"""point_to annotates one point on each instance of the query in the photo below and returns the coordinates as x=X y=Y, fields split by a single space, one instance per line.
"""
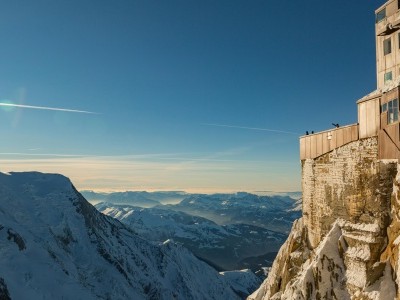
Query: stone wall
x=348 y=183
x=347 y=244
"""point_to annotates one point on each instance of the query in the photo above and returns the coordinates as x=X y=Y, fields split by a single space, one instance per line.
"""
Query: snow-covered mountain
x=275 y=213
x=228 y=247
x=243 y=282
x=55 y=245
x=136 y=198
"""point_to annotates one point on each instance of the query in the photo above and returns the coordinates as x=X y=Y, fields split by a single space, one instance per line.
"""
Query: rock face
x=346 y=244
x=392 y=251
x=348 y=183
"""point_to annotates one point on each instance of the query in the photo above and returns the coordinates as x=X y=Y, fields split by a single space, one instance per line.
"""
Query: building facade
x=378 y=112
x=348 y=171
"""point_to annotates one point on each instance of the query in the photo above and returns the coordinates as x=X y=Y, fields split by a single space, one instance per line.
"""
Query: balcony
x=315 y=145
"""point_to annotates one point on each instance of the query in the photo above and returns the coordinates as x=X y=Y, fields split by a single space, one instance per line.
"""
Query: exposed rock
x=16 y=238
x=392 y=252
x=287 y=263
x=348 y=183
x=333 y=270
x=4 y=294
x=346 y=246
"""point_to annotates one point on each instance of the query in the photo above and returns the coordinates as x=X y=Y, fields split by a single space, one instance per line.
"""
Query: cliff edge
x=346 y=245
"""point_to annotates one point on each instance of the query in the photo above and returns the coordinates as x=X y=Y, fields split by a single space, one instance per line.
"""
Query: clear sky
x=163 y=76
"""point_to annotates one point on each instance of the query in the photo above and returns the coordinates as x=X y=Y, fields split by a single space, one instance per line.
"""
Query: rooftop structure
x=387 y=25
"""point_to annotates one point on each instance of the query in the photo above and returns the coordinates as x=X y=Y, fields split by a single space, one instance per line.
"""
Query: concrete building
x=348 y=171
x=378 y=112
x=346 y=245
x=387 y=25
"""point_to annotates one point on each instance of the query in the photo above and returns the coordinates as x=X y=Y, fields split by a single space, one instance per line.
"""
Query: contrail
x=251 y=128
x=47 y=108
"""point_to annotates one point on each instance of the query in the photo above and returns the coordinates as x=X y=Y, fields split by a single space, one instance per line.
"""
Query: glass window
x=387 y=46
x=393 y=111
x=380 y=15
x=383 y=107
x=388 y=76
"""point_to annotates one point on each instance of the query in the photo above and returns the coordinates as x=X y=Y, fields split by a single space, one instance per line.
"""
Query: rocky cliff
x=346 y=245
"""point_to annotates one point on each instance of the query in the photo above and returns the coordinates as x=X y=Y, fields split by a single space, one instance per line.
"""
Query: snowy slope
x=243 y=282
x=55 y=245
x=224 y=246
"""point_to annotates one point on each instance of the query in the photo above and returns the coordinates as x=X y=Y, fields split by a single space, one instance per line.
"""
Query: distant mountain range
x=55 y=245
x=228 y=231
x=141 y=198
x=224 y=246
x=275 y=213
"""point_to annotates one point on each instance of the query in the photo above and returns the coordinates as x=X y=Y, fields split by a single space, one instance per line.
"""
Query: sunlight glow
x=109 y=173
x=7 y=105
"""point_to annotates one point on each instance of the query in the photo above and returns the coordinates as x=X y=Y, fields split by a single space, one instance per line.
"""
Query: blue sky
x=161 y=73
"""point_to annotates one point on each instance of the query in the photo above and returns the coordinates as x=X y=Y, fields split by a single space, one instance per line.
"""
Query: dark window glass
x=380 y=15
x=393 y=111
x=383 y=107
x=390 y=113
x=387 y=46
x=388 y=76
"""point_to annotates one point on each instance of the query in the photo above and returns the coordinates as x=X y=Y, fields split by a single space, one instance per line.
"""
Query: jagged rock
x=287 y=263
x=4 y=294
x=331 y=271
x=16 y=238
x=349 y=235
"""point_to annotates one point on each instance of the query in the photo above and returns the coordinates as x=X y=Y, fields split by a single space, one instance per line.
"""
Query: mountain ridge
x=54 y=244
x=222 y=245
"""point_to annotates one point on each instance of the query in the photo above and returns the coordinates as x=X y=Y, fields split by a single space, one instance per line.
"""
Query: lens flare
x=7 y=108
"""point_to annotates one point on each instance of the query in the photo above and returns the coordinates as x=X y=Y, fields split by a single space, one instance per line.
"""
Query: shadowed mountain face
x=55 y=245
x=226 y=247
